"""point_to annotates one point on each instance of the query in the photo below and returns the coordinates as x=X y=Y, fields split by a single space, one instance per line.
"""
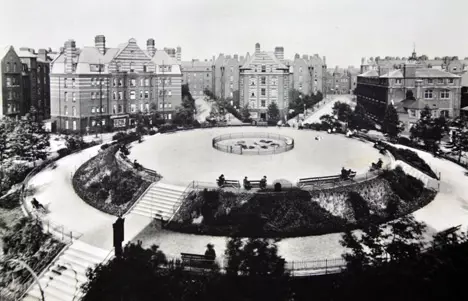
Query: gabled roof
x=4 y=50
x=393 y=74
x=259 y=58
x=370 y=73
x=430 y=72
x=197 y=66
x=161 y=57
x=25 y=54
x=91 y=55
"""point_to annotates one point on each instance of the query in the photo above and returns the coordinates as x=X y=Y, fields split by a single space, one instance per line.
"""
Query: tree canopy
x=391 y=122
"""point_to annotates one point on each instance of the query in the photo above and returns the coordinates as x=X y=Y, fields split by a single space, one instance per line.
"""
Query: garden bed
x=101 y=183
x=297 y=212
x=412 y=158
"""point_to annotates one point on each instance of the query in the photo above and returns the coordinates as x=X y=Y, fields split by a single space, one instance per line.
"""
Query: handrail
x=176 y=206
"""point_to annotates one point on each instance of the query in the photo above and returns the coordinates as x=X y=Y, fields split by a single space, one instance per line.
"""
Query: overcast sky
x=342 y=30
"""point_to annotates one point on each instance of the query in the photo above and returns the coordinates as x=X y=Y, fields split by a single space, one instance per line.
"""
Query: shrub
x=272 y=122
x=152 y=132
x=359 y=205
x=407 y=187
x=75 y=142
x=317 y=126
x=167 y=128
x=196 y=124
x=63 y=152
x=104 y=146
x=119 y=136
x=412 y=159
x=102 y=194
x=405 y=141
x=11 y=200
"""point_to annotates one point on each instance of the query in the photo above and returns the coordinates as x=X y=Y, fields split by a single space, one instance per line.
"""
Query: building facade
x=36 y=81
x=226 y=75
x=198 y=75
x=264 y=79
x=11 y=88
x=410 y=89
x=96 y=88
x=308 y=73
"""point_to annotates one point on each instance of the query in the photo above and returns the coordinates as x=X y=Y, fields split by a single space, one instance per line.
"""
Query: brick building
x=98 y=85
x=226 y=75
x=264 y=79
x=11 y=88
x=308 y=73
x=440 y=90
x=198 y=75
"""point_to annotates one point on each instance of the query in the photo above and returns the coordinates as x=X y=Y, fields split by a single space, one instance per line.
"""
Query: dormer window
x=263 y=68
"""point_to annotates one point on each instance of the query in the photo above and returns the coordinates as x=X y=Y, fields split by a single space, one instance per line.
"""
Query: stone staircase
x=159 y=200
x=64 y=277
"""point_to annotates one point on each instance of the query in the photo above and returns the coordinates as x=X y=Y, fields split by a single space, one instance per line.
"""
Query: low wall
x=410 y=170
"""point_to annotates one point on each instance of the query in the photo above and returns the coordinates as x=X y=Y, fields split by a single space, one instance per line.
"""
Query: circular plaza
x=183 y=157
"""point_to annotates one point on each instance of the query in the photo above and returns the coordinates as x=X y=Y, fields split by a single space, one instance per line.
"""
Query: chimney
x=150 y=47
x=297 y=56
x=61 y=49
x=257 y=47
x=179 y=54
x=363 y=60
x=42 y=54
x=100 y=44
x=70 y=55
x=279 y=52
x=418 y=89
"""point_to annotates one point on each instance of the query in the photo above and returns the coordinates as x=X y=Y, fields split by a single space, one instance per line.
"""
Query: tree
x=245 y=113
x=273 y=111
x=30 y=141
x=391 y=122
x=459 y=141
x=7 y=126
x=343 y=111
x=428 y=129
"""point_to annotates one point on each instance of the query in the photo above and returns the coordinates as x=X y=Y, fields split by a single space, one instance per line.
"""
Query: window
x=300 y=78
x=147 y=106
x=65 y=96
x=207 y=75
x=14 y=67
x=252 y=94
x=73 y=97
x=8 y=67
x=263 y=91
x=195 y=75
x=114 y=82
x=440 y=80
x=444 y=113
x=65 y=83
x=93 y=123
x=263 y=103
x=73 y=111
x=93 y=110
x=114 y=109
x=144 y=68
x=142 y=82
x=146 y=94
x=93 y=81
x=141 y=94
x=397 y=81
x=65 y=108
x=141 y=107
x=120 y=82
x=169 y=93
x=120 y=109
x=133 y=82
x=132 y=95
x=73 y=83
x=169 y=116
x=430 y=81
x=445 y=94
x=74 y=125
x=263 y=68
x=66 y=124
x=263 y=80
x=120 y=95
x=451 y=81
x=10 y=95
x=131 y=67
x=160 y=106
x=93 y=95
x=147 y=82
x=428 y=94
x=133 y=108
x=114 y=95
x=8 y=82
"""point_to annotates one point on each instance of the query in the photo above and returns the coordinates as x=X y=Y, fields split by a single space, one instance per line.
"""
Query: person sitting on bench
x=221 y=180
x=247 y=184
x=136 y=165
x=36 y=205
x=344 y=173
x=379 y=163
x=210 y=253
x=263 y=182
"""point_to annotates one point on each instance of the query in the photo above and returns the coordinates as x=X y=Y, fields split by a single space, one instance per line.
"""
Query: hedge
x=412 y=158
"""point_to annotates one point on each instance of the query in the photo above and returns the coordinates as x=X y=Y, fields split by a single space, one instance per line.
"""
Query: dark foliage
x=412 y=159
x=405 y=186
x=360 y=207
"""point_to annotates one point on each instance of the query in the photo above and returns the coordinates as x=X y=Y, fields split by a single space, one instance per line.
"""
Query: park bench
x=262 y=123
x=310 y=181
x=196 y=260
x=255 y=183
x=350 y=176
x=232 y=183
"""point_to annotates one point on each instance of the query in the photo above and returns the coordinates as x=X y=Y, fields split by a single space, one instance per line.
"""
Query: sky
x=342 y=30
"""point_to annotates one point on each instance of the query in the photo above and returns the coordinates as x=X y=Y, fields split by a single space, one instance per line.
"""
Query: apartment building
x=99 y=88
x=11 y=88
x=198 y=75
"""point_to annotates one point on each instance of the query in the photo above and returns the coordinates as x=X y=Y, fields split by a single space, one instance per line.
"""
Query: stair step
x=58 y=286
x=84 y=247
x=156 y=205
x=79 y=260
x=31 y=298
x=65 y=279
x=165 y=193
x=153 y=212
x=154 y=208
x=147 y=214
x=85 y=255
x=170 y=187
x=49 y=295
x=69 y=265
x=158 y=199
x=70 y=275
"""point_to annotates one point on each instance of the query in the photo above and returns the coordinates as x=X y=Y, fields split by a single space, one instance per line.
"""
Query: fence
x=240 y=150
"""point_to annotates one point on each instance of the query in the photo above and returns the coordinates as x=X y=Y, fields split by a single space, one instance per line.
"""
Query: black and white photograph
x=214 y=150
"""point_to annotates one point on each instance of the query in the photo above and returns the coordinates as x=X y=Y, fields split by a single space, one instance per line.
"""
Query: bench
x=197 y=260
x=350 y=176
x=227 y=183
x=262 y=123
x=310 y=181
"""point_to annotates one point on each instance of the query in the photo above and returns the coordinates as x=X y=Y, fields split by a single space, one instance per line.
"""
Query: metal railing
x=180 y=200
x=237 y=149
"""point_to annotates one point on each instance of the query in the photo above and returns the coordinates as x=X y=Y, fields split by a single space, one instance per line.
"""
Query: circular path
x=54 y=189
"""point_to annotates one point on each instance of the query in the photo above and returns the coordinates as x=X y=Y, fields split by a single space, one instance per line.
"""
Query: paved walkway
x=54 y=189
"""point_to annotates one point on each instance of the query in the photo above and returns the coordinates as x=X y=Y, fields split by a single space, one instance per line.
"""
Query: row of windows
x=444 y=94
x=12 y=108
x=263 y=104
x=434 y=113
x=11 y=81
x=263 y=93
